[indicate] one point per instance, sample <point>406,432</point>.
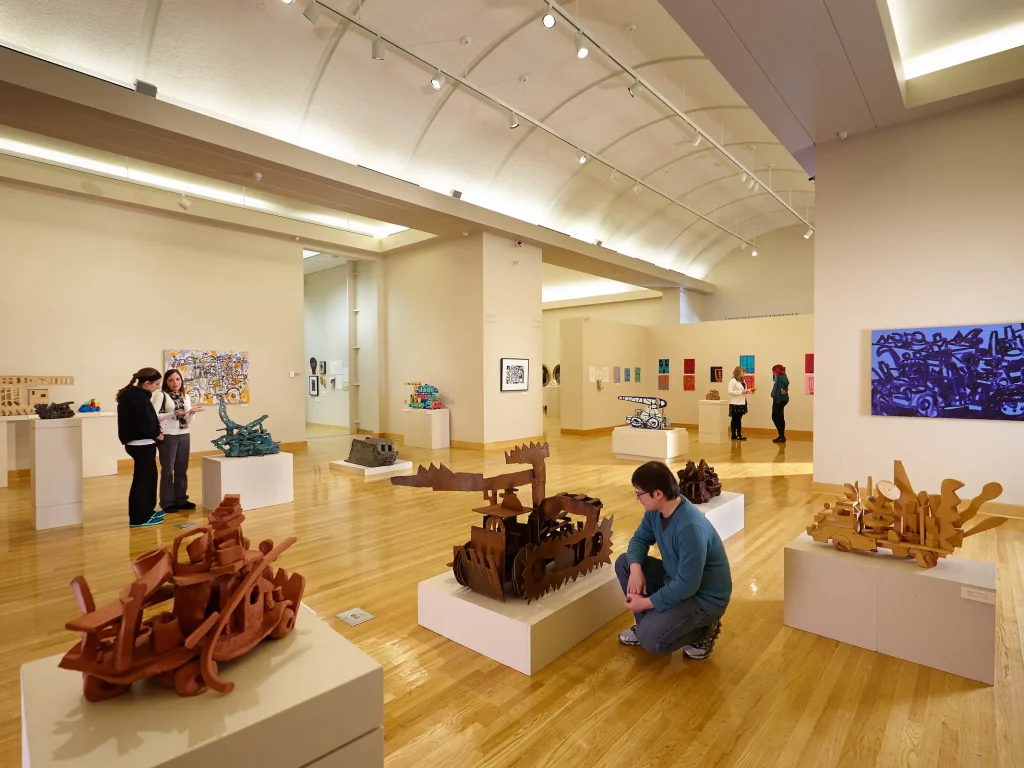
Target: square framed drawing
<point>689,365</point>
<point>809,362</point>
<point>210,376</point>
<point>716,374</point>
<point>515,374</point>
<point>747,363</point>
<point>617,374</point>
<point>314,386</point>
<point>663,381</point>
<point>809,384</point>
<point>663,366</point>
<point>689,382</point>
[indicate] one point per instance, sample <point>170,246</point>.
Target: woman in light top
<point>738,402</point>
<point>175,410</point>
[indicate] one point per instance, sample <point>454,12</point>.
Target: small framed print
<point>515,374</point>
<point>314,386</point>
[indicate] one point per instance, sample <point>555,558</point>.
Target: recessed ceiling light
<point>437,81</point>
<point>581,46</point>
<point>548,19</point>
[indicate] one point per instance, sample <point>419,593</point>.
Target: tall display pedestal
<point>57,472</point>
<point>523,637</point>
<point>647,444</point>
<point>712,421</point>
<point>427,428</point>
<point>100,447</point>
<point>726,513</point>
<point>310,699</point>
<point>261,481</point>
<point>942,617</point>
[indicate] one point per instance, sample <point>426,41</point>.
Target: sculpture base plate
<point>523,637</point>
<point>359,469</point>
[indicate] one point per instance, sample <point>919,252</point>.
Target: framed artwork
<point>323,367</point>
<point>663,366</point>
<point>809,384</point>
<point>636,375</point>
<point>545,375</point>
<point>617,374</point>
<point>314,386</point>
<point>627,374</point>
<point>748,380</point>
<point>716,374</point>
<point>747,363</point>
<point>312,365</point>
<point>689,365</point>
<point>689,382</point>
<point>210,376</point>
<point>955,372</point>
<point>515,374</point>
<point>662,381</point>
<point>809,362</point>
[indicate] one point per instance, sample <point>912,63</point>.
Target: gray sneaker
<point>628,637</point>
<point>703,649</point>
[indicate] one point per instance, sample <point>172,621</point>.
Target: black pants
<point>779,417</point>
<point>736,413</point>
<point>142,497</point>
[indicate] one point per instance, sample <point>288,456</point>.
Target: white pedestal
<point>553,401</point>
<point>647,444</point>
<point>57,472</point>
<point>427,428</point>
<point>261,481</point>
<point>523,637</point>
<point>312,698</point>
<point>725,512</point>
<point>358,469</point>
<point>100,447</point>
<point>942,617</point>
<point>712,421</point>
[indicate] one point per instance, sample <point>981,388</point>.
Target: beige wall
<point>636,312</point>
<point>97,291</point>
<point>325,303</point>
<point>918,225</point>
<point>782,340</point>
<point>370,337</point>
<point>778,281</point>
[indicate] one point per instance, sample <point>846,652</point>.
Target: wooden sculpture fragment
<point>699,483</point>
<point>650,416</point>
<point>922,525</point>
<point>372,452</point>
<point>562,538</point>
<point>225,599</point>
<point>250,439</point>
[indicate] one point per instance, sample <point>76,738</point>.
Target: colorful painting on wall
<point>955,372</point>
<point>747,363</point>
<point>809,384</point>
<point>748,379</point>
<point>809,362</point>
<point>210,376</point>
<point>627,374</point>
<point>663,365</point>
<point>636,375</point>
<point>662,381</point>
<point>689,365</point>
<point>689,382</point>
<point>716,374</point>
<point>617,374</point>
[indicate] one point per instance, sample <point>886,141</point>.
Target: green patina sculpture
<point>250,439</point>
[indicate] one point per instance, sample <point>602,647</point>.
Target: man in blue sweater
<point>678,601</point>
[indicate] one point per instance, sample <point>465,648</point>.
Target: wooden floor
<point>768,695</point>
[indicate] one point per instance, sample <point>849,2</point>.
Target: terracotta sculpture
<point>925,526</point>
<point>713,395</point>
<point>532,557</point>
<point>699,483</point>
<point>55,411</point>
<point>650,417</point>
<point>372,452</point>
<point>225,598</point>
<point>250,439</point>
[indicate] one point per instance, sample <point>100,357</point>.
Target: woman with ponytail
<point>138,429</point>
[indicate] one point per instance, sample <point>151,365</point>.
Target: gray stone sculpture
<point>373,452</point>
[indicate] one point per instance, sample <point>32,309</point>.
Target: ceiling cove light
<point>581,46</point>
<point>963,51</point>
<point>548,20</point>
<point>437,81</point>
<point>377,49</point>
<point>513,121</point>
<point>581,156</point>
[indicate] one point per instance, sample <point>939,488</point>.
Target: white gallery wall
<point>97,291</point>
<point>326,311</point>
<point>634,312</point>
<point>918,225</point>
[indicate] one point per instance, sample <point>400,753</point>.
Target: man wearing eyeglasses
<point>678,601</point>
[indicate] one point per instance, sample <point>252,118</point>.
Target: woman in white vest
<point>737,402</point>
<point>175,410</point>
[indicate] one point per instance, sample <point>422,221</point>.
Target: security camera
<point>519,244</point>
<point>810,179</point>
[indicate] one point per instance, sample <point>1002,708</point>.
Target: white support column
<point>679,305</point>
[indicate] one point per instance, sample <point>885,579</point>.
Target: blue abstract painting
<point>959,372</point>
<point>747,363</point>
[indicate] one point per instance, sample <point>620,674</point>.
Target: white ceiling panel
<point>922,27</point>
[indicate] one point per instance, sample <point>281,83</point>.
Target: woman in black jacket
<point>138,429</point>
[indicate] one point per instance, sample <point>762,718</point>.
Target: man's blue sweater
<point>693,555</point>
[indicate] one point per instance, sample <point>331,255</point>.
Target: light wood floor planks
<point>768,696</point>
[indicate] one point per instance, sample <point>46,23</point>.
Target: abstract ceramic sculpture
<point>713,395</point>
<point>55,411</point>
<point>699,483</point>
<point>424,396</point>
<point>250,439</point>
<point>372,452</point>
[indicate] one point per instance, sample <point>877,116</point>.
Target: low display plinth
<point>261,481</point>
<point>311,698</point>
<point>426,428</point>
<point>725,512</point>
<point>942,617</point>
<point>648,444</point>
<point>712,421</point>
<point>56,472</point>
<point>523,637</point>
<point>359,469</point>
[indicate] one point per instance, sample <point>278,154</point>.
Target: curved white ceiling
<point>261,64</point>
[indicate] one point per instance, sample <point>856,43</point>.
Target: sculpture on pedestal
<point>55,411</point>
<point>424,396</point>
<point>649,417</point>
<point>526,558</point>
<point>922,525</point>
<point>250,439</point>
<point>699,483</point>
<point>93,406</point>
<point>225,598</point>
<point>713,395</point>
<point>372,452</point>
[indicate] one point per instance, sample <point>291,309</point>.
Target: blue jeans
<point>669,630</point>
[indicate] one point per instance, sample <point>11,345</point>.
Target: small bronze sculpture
<point>373,452</point>
<point>55,411</point>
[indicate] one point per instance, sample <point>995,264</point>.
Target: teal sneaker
<point>155,519</point>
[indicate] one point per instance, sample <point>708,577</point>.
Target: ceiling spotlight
<point>754,252</point>
<point>377,49</point>
<point>743,246</point>
<point>636,88</point>
<point>696,139</point>
<point>257,176</point>
<point>581,46</point>
<point>513,121</point>
<point>287,2</point>
<point>757,187</point>
<point>743,178</point>
<point>582,157</point>
<point>184,203</point>
<point>750,183</point>
<point>548,19</point>
<point>636,189</point>
<point>312,12</point>
<point>808,233</point>
<point>437,81</point>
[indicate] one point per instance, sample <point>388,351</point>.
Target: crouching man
<point>678,601</point>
